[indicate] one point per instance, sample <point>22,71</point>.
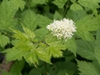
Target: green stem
<point>66,8</point>
<point>44,73</point>
<point>39,69</point>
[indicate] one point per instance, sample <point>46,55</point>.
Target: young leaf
<point>43,55</point>
<point>4,40</point>
<point>19,35</point>
<point>87,68</point>
<point>60,3</point>
<point>29,19</point>
<point>18,4</point>
<point>7,13</point>
<point>50,38</point>
<point>14,54</point>
<point>55,46</point>
<point>32,58</point>
<point>54,51</point>
<point>29,33</point>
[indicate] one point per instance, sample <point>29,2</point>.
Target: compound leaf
<point>43,55</point>
<point>44,21</point>
<point>87,68</point>
<point>18,4</point>
<point>4,40</point>
<point>76,7</point>
<point>90,4</point>
<point>32,58</point>
<point>85,25</point>
<point>71,45</point>
<point>14,54</point>
<point>97,47</point>
<point>86,49</point>
<point>7,13</point>
<point>35,2</point>
<point>60,3</point>
<point>29,19</point>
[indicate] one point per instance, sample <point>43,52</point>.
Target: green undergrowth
<point>25,39</point>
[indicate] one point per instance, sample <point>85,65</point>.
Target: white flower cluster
<point>63,28</point>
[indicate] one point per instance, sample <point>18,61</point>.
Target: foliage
<point>25,39</point>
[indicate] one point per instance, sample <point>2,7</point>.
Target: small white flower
<point>63,28</point>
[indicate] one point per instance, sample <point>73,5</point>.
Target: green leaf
<point>6,73</point>
<point>7,13</point>
<point>98,37</point>
<point>17,67</point>
<point>43,55</point>
<point>60,3</point>
<point>75,15</point>
<point>35,2</point>
<point>54,51</point>
<point>73,1</point>
<point>85,35</point>
<point>34,71</point>
<point>85,25</point>
<point>67,67</point>
<point>19,35</point>
<point>55,47</point>
<point>44,21</point>
<point>93,5</point>
<point>14,54</point>
<point>97,47</point>
<point>62,72</point>
<point>86,49</point>
<point>87,68</point>
<point>32,58</point>
<point>76,7</point>
<point>41,33</point>
<point>90,4</point>
<point>29,33</point>
<point>57,15</point>
<point>29,19</point>
<point>71,45</point>
<point>4,40</point>
<point>18,4</point>
<point>27,36</point>
<point>50,38</point>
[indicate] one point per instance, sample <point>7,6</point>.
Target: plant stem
<point>42,71</point>
<point>66,8</point>
<point>5,66</point>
